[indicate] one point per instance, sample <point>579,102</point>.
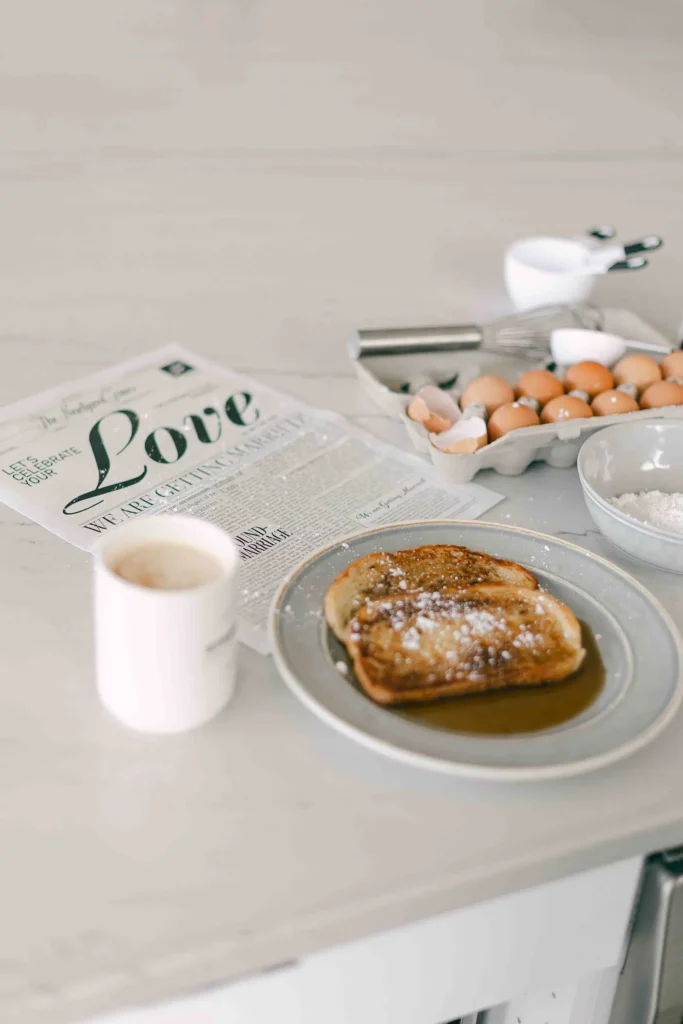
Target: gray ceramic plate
<point>637,643</point>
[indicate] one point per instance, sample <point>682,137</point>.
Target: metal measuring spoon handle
<point>602,233</point>
<point>647,244</point>
<point>633,263</point>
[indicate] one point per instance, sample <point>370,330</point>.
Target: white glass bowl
<point>634,457</point>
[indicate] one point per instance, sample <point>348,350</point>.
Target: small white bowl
<point>569,345</point>
<point>634,457</point>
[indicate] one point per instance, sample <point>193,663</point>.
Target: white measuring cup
<point>544,271</point>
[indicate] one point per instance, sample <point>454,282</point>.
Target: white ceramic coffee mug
<point>166,657</point>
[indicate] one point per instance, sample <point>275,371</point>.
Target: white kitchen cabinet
<point>547,955</point>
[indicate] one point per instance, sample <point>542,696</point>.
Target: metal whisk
<point>526,334</point>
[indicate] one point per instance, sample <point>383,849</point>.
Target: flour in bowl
<point>665,511</point>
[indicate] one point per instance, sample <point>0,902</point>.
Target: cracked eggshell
<point>464,437</point>
<point>435,409</point>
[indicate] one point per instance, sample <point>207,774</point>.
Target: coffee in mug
<point>165,565</point>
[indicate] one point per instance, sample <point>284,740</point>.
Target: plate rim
<point>492,773</point>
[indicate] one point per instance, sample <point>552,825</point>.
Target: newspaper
<point>172,432</point>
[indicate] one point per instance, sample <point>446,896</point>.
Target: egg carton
<point>386,380</point>
<point>557,444</point>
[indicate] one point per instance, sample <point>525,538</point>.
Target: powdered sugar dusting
<point>656,508</point>
<point>424,624</point>
<point>411,639</point>
<point>525,638</point>
<point>469,631</point>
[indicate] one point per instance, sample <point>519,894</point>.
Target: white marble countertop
<point>252,179</point>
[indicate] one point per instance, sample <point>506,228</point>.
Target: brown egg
<point>664,392</point>
<point>672,365</point>
<point>637,369</point>
<point>539,384</point>
<point>490,390</point>
<point>511,416</point>
<point>565,408</point>
<point>590,377</point>
<point>610,402</point>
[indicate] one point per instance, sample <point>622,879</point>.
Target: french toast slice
<point>432,567</point>
<point>433,644</point>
